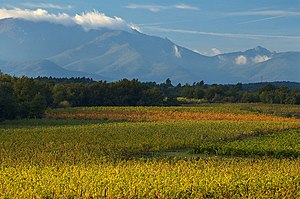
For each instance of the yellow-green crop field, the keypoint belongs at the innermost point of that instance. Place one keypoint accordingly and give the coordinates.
(208, 151)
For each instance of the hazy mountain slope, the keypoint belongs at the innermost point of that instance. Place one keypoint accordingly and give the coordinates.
(120, 54)
(260, 64)
(47, 68)
(23, 40)
(283, 66)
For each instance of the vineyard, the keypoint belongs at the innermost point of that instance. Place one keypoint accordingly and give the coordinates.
(208, 151)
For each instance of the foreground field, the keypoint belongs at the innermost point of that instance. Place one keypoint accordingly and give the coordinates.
(203, 178)
(210, 151)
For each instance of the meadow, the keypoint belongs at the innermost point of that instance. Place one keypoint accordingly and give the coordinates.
(205, 151)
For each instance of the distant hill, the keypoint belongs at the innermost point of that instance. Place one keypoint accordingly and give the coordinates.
(23, 40)
(43, 48)
(47, 68)
(260, 64)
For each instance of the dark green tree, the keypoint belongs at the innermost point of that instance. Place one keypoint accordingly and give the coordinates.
(187, 91)
(8, 105)
(59, 94)
(151, 97)
(198, 93)
(214, 93)
(38, 106)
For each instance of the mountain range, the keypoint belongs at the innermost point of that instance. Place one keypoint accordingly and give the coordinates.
(47, 49)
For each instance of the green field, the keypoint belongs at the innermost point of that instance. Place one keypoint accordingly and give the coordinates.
(208, 151)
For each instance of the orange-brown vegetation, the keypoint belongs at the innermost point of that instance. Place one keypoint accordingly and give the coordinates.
(153, 115)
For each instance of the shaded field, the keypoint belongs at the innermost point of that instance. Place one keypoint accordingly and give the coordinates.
(289, 111)
(278, 145)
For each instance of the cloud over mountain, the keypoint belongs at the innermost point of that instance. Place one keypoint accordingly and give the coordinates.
(241, 60)
(215, 51)
(36, 15)
(88, 20)
(261, 58)
(95, 20)
(177, 52)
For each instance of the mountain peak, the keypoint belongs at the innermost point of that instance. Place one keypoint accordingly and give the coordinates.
(258, 50)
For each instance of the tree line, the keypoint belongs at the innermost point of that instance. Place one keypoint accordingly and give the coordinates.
(267, 93)
(25, 97)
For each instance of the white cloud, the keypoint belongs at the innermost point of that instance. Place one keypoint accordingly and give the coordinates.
(263, 19)
(36, 15)
(185, 6)
(265, 13)
(135, 27)
(158, 8)
(152, 8)
(88, 20)
(197, 51)
(177, 52)
(261, 58)
(220, 34)
(47, 5)
(211, 52)
(95, 20)
(215, 51)
(241, 60)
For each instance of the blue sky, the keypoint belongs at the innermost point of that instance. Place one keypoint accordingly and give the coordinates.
(209, 27)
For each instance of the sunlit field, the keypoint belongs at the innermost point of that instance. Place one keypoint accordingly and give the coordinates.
(208, 151)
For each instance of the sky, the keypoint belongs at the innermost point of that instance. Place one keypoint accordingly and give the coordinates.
(209, 27)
